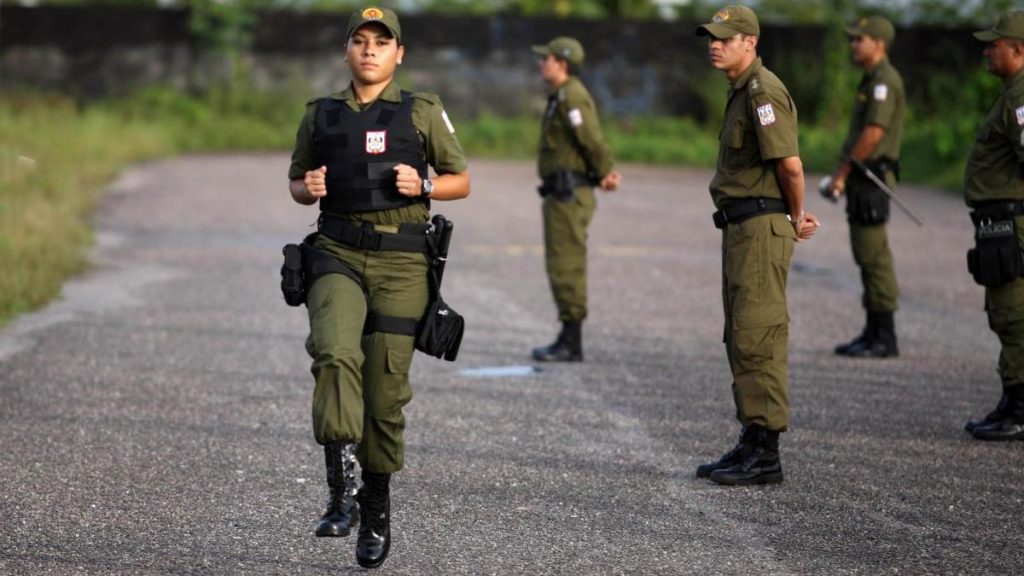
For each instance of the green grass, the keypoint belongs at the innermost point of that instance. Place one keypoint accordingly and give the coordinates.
(56, 156)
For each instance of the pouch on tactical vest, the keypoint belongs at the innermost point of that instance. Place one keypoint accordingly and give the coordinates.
(996, 258)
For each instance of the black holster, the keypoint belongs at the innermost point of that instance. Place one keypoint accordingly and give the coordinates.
(996, 258)
(439, 333)
(866, 203)
(562, 184)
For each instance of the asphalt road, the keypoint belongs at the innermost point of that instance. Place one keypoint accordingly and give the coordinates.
(156, 419)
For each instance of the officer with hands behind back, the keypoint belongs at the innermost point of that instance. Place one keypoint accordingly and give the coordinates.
(363, 155)
(758, 189)
(572, 159)
(876, 128)
(994, 190)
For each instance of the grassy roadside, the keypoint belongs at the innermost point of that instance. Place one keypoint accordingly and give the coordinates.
(55, 157)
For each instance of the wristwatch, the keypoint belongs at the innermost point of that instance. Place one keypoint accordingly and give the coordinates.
(427, 189)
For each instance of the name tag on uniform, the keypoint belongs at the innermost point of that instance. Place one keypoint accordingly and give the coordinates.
(376, 141)
(881, 92)
(766, 114)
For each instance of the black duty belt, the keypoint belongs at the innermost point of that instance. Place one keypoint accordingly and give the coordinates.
(410, 237)
(737, 211)
(997, 209)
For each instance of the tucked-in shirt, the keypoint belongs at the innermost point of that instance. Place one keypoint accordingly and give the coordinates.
(759, 128)
(995, 167)
(880, 101)
(570, 135)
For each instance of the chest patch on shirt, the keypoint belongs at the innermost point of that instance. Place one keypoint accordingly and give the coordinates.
(376, 141)
(766, 114)
(881, 92)
(447, 122)
(576, 117)
(1020, 115)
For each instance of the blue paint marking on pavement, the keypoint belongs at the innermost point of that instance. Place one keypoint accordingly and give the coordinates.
(500, 371)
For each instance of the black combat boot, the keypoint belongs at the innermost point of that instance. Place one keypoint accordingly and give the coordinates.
(1011, 425)
(374, 540)
(342, 512)
(858, 343)
(993, 416)
(760, 465)
(568, 347)
(731, 458)
(877, 341)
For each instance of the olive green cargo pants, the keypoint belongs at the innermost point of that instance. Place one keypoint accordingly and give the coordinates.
(362, 382)
(755, 266)
(565, 251)
(1005, 307)
(871, 252)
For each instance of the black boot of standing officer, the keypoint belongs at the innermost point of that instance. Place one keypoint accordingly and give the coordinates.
(756, 460)
(878, 340)
(1006, 422)
(374, 541)
(342, 512)
(732, 457)
(568, 347)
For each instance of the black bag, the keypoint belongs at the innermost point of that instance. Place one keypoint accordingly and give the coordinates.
(292, 281)
(866, 203)
(996, 258)
(440, 331)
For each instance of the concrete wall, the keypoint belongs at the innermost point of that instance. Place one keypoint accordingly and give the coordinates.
(476, 64)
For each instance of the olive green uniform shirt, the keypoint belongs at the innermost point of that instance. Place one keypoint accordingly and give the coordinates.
(440, 146)
(570, 136)
(759, 127)
(995, 167)
(880, 101)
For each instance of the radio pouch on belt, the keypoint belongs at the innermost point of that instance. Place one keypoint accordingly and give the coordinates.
(303, 264)
(996, 258)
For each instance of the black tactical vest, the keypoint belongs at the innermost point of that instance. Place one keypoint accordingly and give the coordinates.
(361, 149)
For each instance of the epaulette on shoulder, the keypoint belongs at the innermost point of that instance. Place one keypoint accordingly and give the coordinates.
(428, 96)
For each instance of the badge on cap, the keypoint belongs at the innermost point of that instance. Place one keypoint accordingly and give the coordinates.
(881, 92)
(376, 141)
(721, 16)
(1020, 115)
(576, 117)
(373, 14)
(766, 114)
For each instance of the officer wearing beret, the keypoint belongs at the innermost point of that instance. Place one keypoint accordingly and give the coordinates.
(876, 127)
(573, 157)
(994, 190)
(362, 155)
(758, 189)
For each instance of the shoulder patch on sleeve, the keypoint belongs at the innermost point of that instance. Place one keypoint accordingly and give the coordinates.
(881, 92)
(447, 122)
(1020, 116)
(766, 114)
(576, 117)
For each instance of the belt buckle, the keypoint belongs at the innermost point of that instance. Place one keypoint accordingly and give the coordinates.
(760, 205)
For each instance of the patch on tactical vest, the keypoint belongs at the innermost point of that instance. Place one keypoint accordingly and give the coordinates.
(766, 115)
(881, 92)
(376, 141)
(1020, 115)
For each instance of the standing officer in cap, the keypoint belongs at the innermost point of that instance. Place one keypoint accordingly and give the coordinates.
(758, 190)
(362, 154)
(573, 157)
(994, 189)
(876, 127)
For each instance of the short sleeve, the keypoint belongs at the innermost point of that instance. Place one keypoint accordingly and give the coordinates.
(774, 116)
(441, 145)
(882, 102)
(303, 156)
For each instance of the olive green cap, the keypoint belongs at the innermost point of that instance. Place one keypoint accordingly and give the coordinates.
(564, 47)
(1009, 25)
(875, 26)
(730, 21)
(383, 16)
